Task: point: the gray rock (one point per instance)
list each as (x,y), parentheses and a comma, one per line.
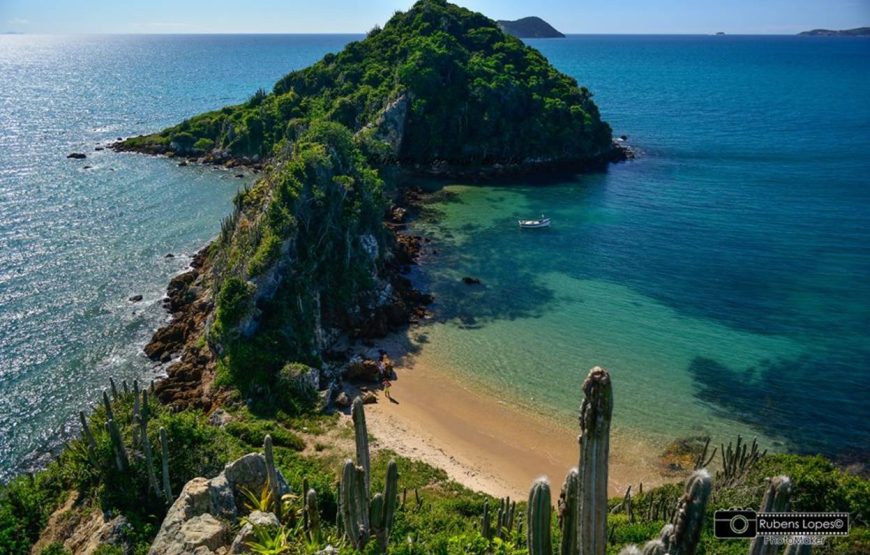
(220,418)
(255,519)
(191,520)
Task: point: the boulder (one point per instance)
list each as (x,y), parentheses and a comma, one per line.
(77,155)
(467,280)
(196,521)
(343,400)
(135,298)
(363,369)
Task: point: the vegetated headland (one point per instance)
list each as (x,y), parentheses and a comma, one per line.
(276,328)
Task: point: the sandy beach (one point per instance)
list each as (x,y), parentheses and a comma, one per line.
(486,443)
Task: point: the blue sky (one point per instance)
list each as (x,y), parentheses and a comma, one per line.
(351,16)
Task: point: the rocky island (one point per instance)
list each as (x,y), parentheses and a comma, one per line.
(242,447)
(530,28)
(857,32)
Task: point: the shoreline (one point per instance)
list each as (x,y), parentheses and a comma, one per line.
(485,443)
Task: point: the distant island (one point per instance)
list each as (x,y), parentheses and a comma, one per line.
(530,28)
(858,32)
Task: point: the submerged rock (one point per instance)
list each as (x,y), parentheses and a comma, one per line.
(470,281)
(77,155)
(135,298)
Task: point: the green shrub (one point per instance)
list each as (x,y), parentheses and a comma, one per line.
(233,302)
(204,144)
(254,431)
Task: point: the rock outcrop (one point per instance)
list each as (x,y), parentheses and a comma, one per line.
(199,521)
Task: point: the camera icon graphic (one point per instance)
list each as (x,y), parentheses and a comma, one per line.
(735,524)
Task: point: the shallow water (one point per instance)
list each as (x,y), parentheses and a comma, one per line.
(721,277)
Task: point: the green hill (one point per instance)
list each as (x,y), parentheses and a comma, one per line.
(437,83)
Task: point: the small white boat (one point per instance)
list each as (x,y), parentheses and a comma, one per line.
(533,224)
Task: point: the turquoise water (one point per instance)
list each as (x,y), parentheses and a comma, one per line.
(738,240)
(722,277)
(75,243)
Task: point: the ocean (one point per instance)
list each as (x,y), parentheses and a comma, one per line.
(722,276)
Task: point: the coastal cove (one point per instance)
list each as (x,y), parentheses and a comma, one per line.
(364,345)
(672,155)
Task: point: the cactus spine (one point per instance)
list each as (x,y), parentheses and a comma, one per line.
(682,537)
(595,413)
(776,499)
(360,515)
(569,512)
(164,448)
(539,519)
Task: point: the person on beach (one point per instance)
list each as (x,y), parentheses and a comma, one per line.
(387,385)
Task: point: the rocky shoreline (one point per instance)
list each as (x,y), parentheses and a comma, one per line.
(191,364)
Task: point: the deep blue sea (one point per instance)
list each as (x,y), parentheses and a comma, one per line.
(722,276)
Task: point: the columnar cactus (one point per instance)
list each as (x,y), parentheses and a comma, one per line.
(569,512)
(164,447)
(121,460)
(272,473)
(86,431)
(777,499)
(146,444)
(539,510)
(683,536)
(361,439)
(799,548)
(312,516)
(595,414)
(485,526)
(360,515)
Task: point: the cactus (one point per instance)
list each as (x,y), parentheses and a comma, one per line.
(164,448)
(121,460)
(595,414)
(362,516)
(353,503)
(272,473)
(86,431)
(114,389)
(312,516)
(137,416)
(682,537)
(142,419)
(108,404)
(630,550)
(776,499)
(485,526)
(361,439)
(569,512)
(539,519)
(654,547)
(737,462)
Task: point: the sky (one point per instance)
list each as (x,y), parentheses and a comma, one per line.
(357,16)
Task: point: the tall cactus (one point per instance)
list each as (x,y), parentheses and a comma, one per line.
(539,510)
(595,414)
(164,448)
(361,438)
(362,516)
(121,460)
(141,420)
(312,516)
(777,498)
(799,547)
(569,512)
(272,474)
(682,538)
(89,437)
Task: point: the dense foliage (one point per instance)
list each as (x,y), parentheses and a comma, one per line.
(303,251)
(466,92)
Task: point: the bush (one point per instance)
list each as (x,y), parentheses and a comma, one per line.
(204,144)
(253,432)
(233,302)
